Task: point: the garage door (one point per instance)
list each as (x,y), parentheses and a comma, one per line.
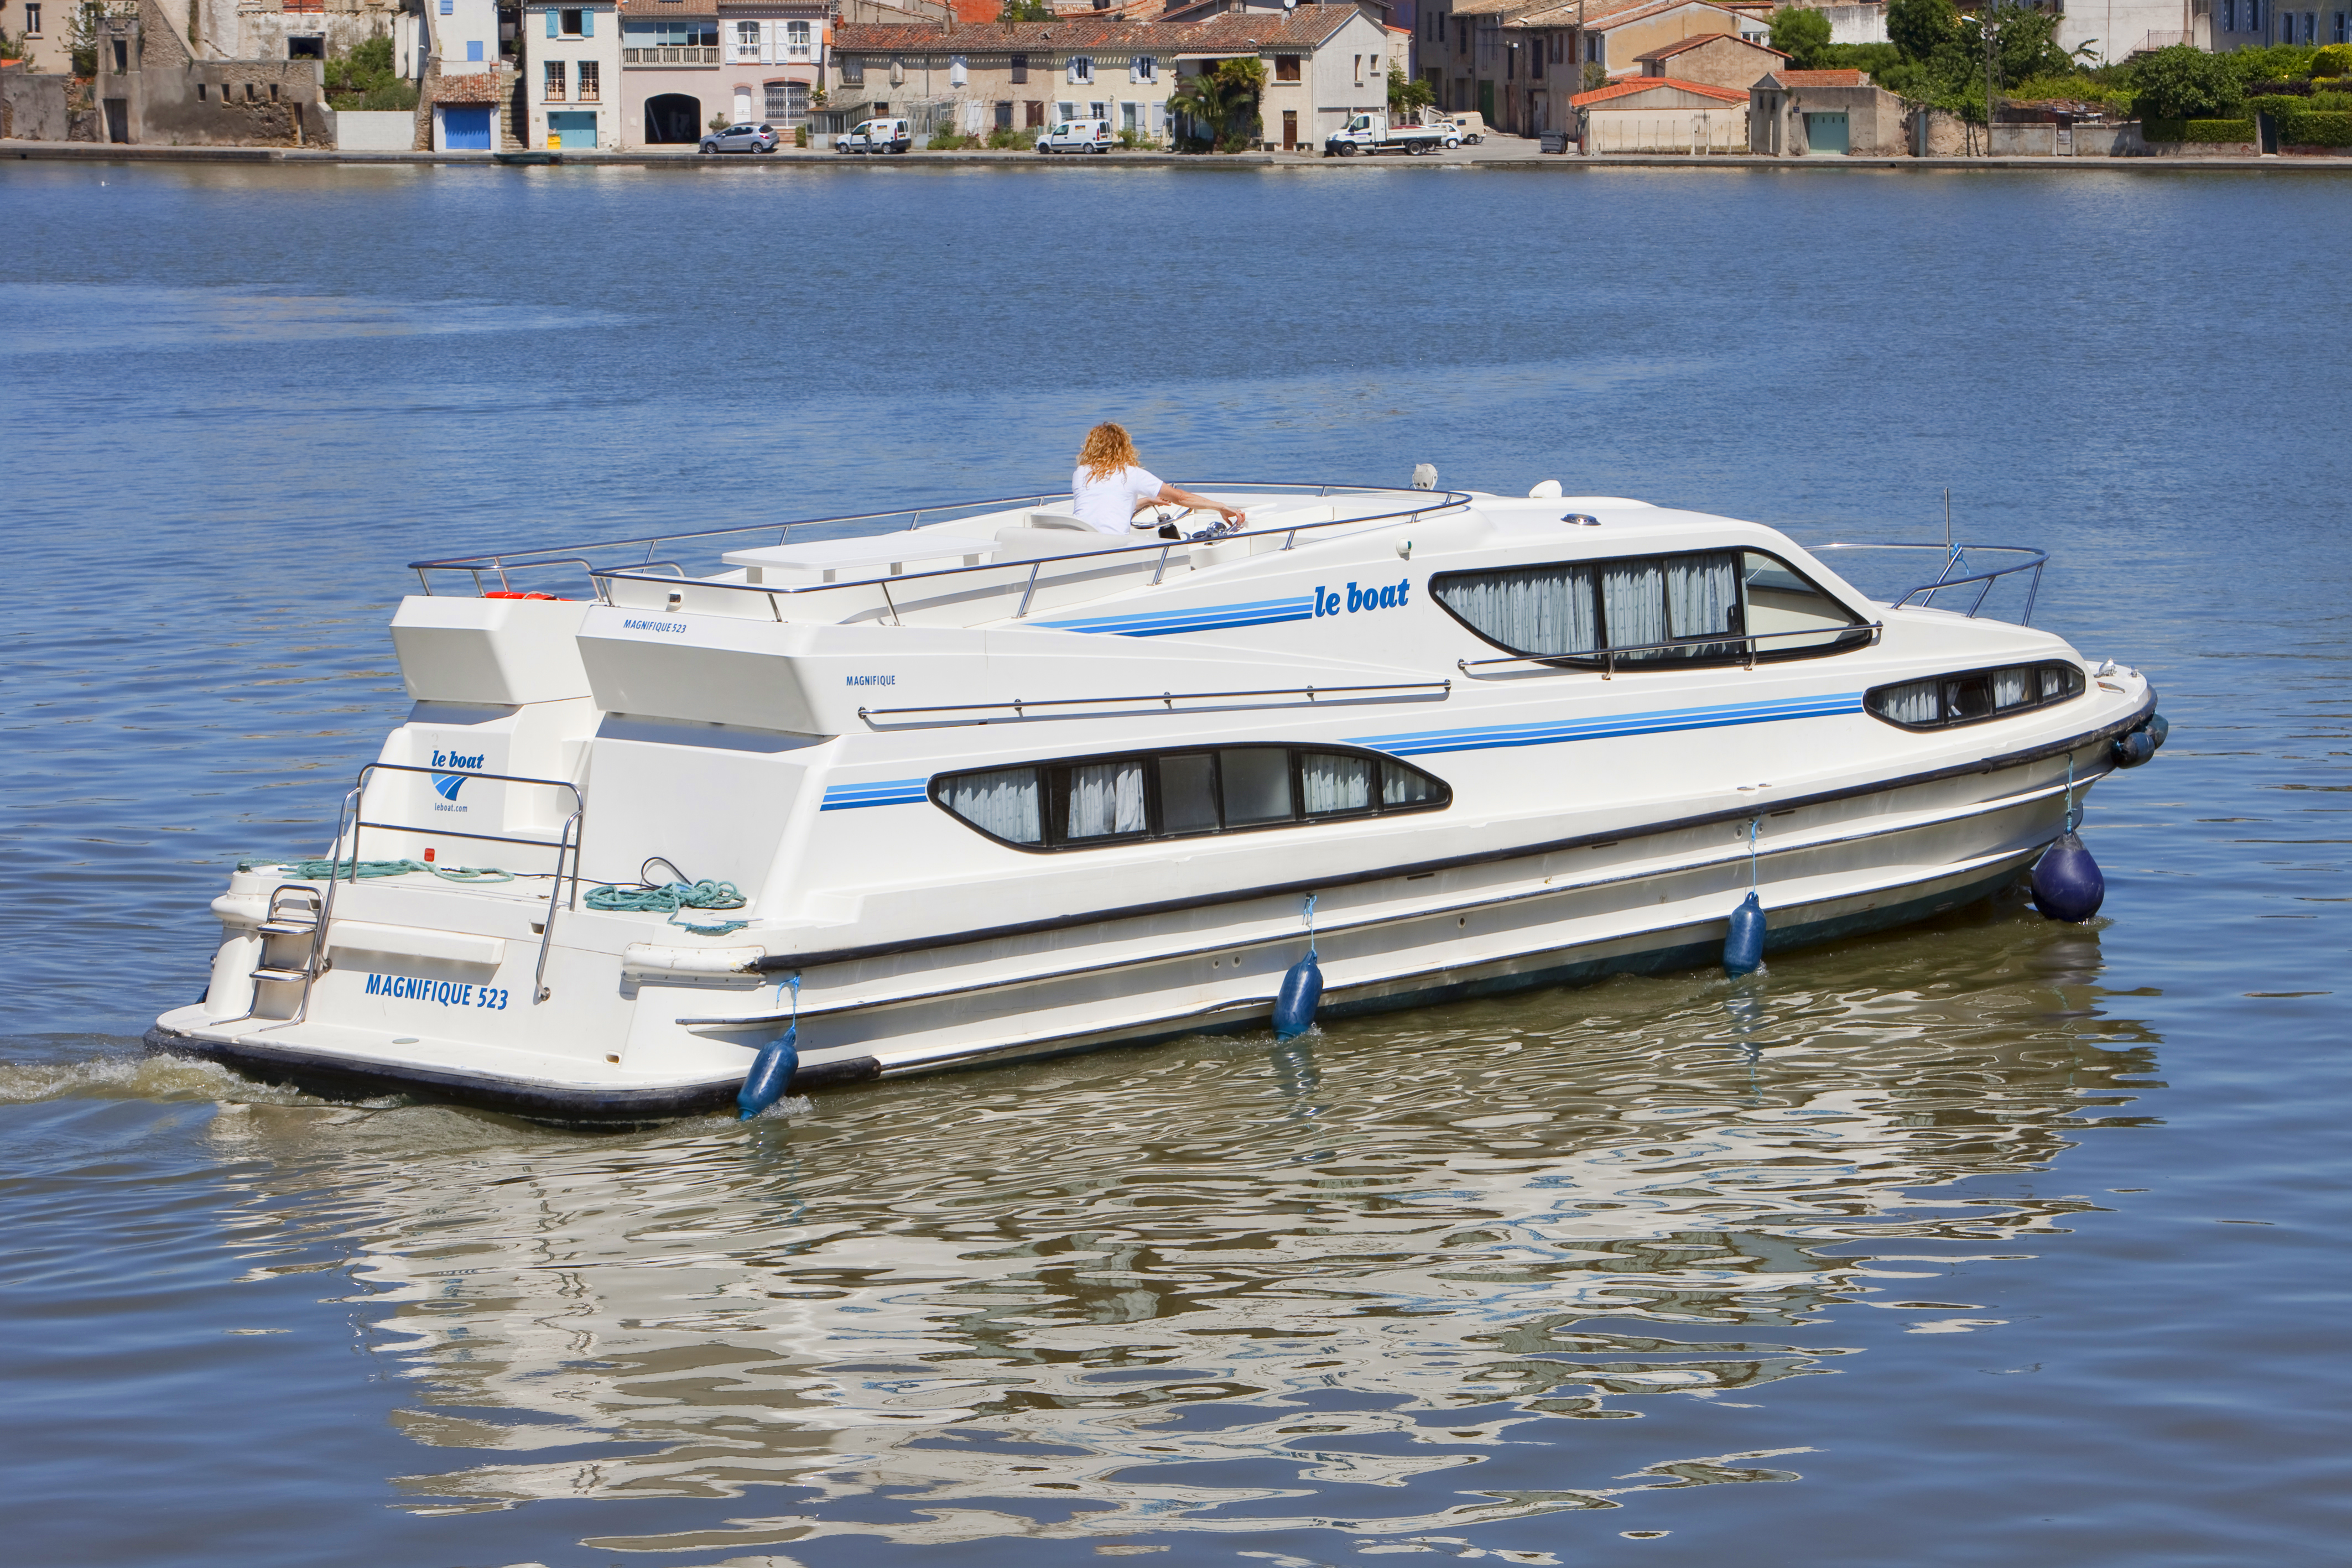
(571,130)
(466,129)
(1825,135)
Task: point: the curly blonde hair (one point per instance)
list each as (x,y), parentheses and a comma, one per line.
(1108,450)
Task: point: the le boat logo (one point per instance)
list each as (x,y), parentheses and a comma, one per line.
(1388,596)
(446,785)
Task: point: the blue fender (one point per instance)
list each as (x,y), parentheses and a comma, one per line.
(2066,881)
(1294,1004)
(771,1077)
(1743,944)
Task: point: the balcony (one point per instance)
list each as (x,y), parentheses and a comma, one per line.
(667,54)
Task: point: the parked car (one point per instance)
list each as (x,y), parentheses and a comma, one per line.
(876,136)
(1077,136)
(742,139)
(1469,124)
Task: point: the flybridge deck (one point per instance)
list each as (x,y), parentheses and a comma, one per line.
(989,783)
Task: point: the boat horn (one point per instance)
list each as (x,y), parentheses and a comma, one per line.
(2066,881)
(772,1072)
(1302,988)
(1743,944)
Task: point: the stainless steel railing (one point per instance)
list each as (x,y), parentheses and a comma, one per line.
(1956,556)
(1696,648)
(505,564)
(567,844)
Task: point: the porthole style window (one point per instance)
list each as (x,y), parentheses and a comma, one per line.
(1652,609)
(1973,696)
(1087,801)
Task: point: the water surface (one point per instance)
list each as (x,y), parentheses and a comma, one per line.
(1990,1240)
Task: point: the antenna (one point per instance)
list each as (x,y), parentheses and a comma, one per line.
(1948,520)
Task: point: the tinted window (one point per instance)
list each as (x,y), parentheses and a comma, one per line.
(1973,695)
(1109,799)
(1703,606)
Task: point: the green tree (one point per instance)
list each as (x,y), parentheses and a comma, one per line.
(1224,100)
(1921,28)
(1406,95)
(1026,11)
(2025,44)
(1800,35)
(2184,82)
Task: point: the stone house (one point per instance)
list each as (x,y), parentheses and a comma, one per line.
(150,91)
(1521,65)
(296,30)
(41,28)
(570,72)
(991,76)
(1322,63)
(1824,114)
(1663,114)
(1717,59)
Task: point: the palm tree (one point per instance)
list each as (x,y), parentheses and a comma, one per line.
(1223,101)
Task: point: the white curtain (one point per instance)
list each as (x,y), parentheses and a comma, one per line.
(1634,594)
(1333,783)
(1703,594)
(1546,610)
(1911,704)
(1003,802)
(2055,683)
(1106,798)
(2012,687)
(1401,786)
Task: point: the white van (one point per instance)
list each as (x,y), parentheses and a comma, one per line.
(876,136)
(1077,136)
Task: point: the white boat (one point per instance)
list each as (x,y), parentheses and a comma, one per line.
(984,785)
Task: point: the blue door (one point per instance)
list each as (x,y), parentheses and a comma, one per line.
(466,129)
(571,130)
(1825,135)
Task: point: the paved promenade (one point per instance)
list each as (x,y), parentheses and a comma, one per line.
(1511,153)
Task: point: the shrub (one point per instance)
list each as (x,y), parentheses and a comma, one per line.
(950,142)
(363,78)
(2211,131)
(2335,61)
(2163,131)
(800,135)
(2183,82)
(1004,139)
(2315,127)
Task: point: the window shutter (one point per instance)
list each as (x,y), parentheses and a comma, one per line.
(550,24)
(587,24)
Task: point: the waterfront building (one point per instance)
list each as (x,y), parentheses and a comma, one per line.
(1818,114)
(688,63)
(571,60)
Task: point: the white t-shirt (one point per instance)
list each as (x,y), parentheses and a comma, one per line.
(1107,505)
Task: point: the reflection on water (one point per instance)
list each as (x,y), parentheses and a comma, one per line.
(1219,1285)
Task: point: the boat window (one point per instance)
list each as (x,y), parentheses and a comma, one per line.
(1256,784)
(1188,793)
(1002,803)
(1973,695)
(1086,801)
(1703,606)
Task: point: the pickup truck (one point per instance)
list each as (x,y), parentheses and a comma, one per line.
(1371,133)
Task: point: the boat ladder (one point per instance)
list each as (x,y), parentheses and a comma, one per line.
(296,914)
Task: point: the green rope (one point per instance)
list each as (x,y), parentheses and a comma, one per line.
(669,898)
(319,870)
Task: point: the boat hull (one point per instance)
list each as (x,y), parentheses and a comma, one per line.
(1688,945)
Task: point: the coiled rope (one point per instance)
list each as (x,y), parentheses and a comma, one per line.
(649,897)
(319,870)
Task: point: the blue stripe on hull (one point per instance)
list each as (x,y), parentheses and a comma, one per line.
(884,792)
(1488,737)
(1199,618)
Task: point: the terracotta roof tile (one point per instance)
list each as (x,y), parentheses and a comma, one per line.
(1232,31)
(1680,45)
(1822,78)
(1651,84)
(481,86)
